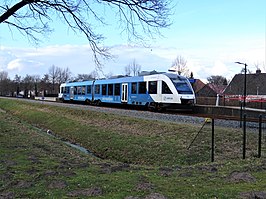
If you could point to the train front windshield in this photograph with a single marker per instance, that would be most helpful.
(182, 85)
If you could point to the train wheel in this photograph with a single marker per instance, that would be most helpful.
(87, 101)
(98, 102)
(151, 106)
(159, 108)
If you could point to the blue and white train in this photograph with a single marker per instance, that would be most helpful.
(157, 91)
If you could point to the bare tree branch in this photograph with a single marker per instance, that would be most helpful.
(180, 65)
(31, 18)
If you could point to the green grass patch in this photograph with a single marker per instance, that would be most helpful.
(36, 165)
(132, 140)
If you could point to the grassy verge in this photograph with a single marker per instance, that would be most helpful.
(35, 165)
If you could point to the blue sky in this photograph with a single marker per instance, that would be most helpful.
(210, 35)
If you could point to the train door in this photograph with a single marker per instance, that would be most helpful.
(71, 93)
(124, 97)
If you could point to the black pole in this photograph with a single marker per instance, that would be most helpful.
(259, 147)
(212, 152)
(245, 86)
(244, 136)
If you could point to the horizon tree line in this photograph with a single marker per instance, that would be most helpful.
(34, 85)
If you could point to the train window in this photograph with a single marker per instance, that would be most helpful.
(75, 90)
(134, 88)
(83, 90)
(104, 89)
(182, 86)
(67, 90)
(142, 87)
(97, 89)
(166, 89)
(79, 90)
(89, 89)
(117, 89)
(153, 87)
(110, 89)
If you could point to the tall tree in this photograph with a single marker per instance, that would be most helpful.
(179, 65)
(17, 81)
(64, 75)
(54, 72)
(133, 68)
(28, 85)
(4, 80)
(31, 17)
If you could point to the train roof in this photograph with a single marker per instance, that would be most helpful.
(123, 79)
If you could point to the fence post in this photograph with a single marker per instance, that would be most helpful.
(259, 146)
(241, 115)
(213, 145)
(244, 136)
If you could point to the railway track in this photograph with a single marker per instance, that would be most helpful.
(178, 116)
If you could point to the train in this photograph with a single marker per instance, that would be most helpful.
(155, 91)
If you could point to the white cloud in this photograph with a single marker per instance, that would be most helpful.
(78, 58)
(18, 65)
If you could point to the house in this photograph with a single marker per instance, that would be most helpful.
(255, 90)
(197, 85)
(210, 90)
(256, 84)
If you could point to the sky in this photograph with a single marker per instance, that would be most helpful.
(210, 35)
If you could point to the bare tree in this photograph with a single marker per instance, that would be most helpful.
(84, 77)
(133, 68)
(127, 70)
(4, 83)
(3, 75)
(17, 82)
(28, 85)
(260, 66)
(180, 65)
(64, 75)
(54, 72)
(31, 17)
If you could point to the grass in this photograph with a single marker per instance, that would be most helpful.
(36, 165)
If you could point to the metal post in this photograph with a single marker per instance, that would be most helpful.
(213, 146)
(259, 146)
(241, 115)
(244, 136)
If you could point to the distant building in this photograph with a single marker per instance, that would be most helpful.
(197, 85)
(210, 90)
(256, 84)
(255, 90)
